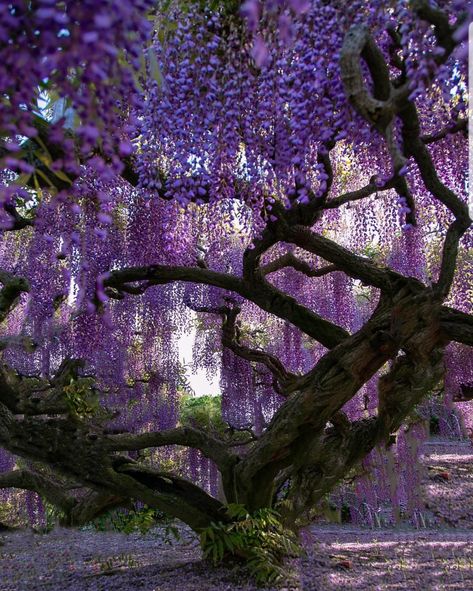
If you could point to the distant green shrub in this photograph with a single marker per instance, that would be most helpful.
(51, 517)
(204, 412)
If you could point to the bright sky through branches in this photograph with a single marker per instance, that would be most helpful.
(198, 380)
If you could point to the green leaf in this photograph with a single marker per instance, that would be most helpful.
(154, 69)
(22, 179)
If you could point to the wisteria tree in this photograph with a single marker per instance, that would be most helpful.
(285, 178)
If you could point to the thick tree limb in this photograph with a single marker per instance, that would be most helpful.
(341, 447)
(290, 260)
(79, 451)
(457, 326)
(46, 487)
(276, 302)
(397, 323)
(380, 107)
(77, 511)
(264, 295)
(353, 265)
(329, 458)
(162, 274)
(210, 446)
(12, 289)
(93, 504)
(193, 499)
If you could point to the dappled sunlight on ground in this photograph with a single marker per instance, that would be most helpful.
(448, 488)
(384, 559)
(339, 557)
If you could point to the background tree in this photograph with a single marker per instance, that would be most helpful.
(295, 177)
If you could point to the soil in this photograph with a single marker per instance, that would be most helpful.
(339, 557)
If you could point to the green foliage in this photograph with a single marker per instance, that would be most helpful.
(257, 336)
(222, 6)
(52, 516)
(204, 412)
(79, 399)
(9, 514)
(129, 521)
(183, 383)
(117, 562)
(377, 253)
(165, 24)
(372, 251)
(259, 538)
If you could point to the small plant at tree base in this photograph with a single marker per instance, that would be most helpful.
(128, 521)
(260, 538)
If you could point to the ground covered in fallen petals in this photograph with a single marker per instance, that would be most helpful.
(339, 557)
(448, 485)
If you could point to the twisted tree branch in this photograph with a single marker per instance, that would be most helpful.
(43, 485)
(284, 381)
(290, 260)
(210, 446)
(11, 291)
(258, 291)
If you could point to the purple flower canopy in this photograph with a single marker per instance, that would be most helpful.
(195, 138)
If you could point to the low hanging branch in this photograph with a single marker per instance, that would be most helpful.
(210, 446)
(290, 260)
(76, 511)
(41, 484)
(264, 295)
(80, 451)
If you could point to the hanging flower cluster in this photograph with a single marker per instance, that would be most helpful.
(75, 63)
(227, 123)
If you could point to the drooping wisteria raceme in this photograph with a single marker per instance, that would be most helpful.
(83, 55)
(284, 180)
